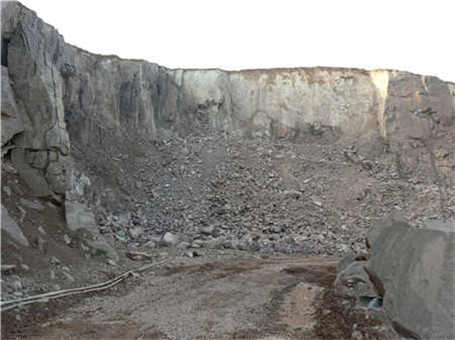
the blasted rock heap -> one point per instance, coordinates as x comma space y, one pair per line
127, 153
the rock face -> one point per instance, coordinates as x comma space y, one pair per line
11, 122
64, 92
416, 268
59, 101
412, 273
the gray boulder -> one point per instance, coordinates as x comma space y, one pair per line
135, 232
12, 229
416, 268
80, 218
169, 239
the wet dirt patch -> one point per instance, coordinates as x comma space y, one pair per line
322, 275
222, 269
336, 321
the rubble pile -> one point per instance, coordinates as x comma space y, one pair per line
315, 196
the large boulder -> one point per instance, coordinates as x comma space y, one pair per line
79, 218
12, 229
415, 270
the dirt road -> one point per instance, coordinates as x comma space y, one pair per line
262, 298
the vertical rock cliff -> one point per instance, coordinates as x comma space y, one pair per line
57, 99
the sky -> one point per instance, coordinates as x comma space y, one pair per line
415, 36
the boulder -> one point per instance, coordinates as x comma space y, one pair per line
80, 218
169, 239
12, 229
135, 232
415, 268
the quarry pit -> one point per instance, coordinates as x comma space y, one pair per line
250, 195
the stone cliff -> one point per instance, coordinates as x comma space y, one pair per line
57, 98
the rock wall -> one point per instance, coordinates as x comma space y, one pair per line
280, 101
56, 97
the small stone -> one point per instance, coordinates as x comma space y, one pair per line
135, 232
192, 253
183, 245
54, 260
213, 243
170, 239
67, 239
124, 219
197, 244
7, 190
276, 229
120, 238
318, 203
294, 194
138, 256
357, 335
208, 230
111, 262
41, 230
17, 285
150, 244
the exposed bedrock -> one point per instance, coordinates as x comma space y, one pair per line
57, 98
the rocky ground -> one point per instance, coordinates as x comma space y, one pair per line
201, 199
313, 195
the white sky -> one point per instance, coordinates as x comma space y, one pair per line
416, 36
